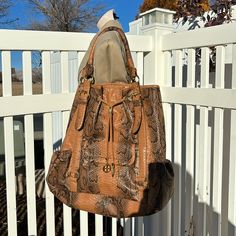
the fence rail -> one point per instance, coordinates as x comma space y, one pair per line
60, 41
203, 37
204, 96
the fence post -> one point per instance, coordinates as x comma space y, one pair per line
156, 22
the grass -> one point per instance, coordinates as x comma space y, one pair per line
17, 88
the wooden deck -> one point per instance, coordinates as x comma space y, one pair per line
41, 217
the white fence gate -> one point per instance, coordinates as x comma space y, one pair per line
200, 125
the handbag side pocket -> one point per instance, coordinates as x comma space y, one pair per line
58, 168
161, 184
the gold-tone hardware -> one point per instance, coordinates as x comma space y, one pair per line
107, 168
135, 94
130, 96
112, 169
110, 109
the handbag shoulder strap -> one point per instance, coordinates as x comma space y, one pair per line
87, 71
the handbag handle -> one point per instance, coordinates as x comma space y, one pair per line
87, 71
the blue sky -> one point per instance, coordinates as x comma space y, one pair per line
125, 9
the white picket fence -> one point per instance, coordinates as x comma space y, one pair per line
201, 132
200, 113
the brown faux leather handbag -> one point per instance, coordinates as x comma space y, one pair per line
112, 161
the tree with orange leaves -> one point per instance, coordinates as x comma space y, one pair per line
150, 4
176, 5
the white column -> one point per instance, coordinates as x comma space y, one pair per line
154, 61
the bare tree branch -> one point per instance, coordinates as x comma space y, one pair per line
5, 5
65, 15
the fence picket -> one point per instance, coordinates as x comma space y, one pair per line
197, 180
98, 225
132, 226
127, 226
232, 165
80, 58
204, 167
10, 175
67, 217
140, 64
27, 72
84, 223
138, 224
190, 134
83, 214
114, 227
168, 124
48, 145
218, 140
177, 149
9, 148
73, 70
6, 74
29, 148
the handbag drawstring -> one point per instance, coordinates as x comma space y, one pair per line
110, 136
110, 130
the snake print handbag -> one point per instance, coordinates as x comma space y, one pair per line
112, 160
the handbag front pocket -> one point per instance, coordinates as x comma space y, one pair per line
96, 179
